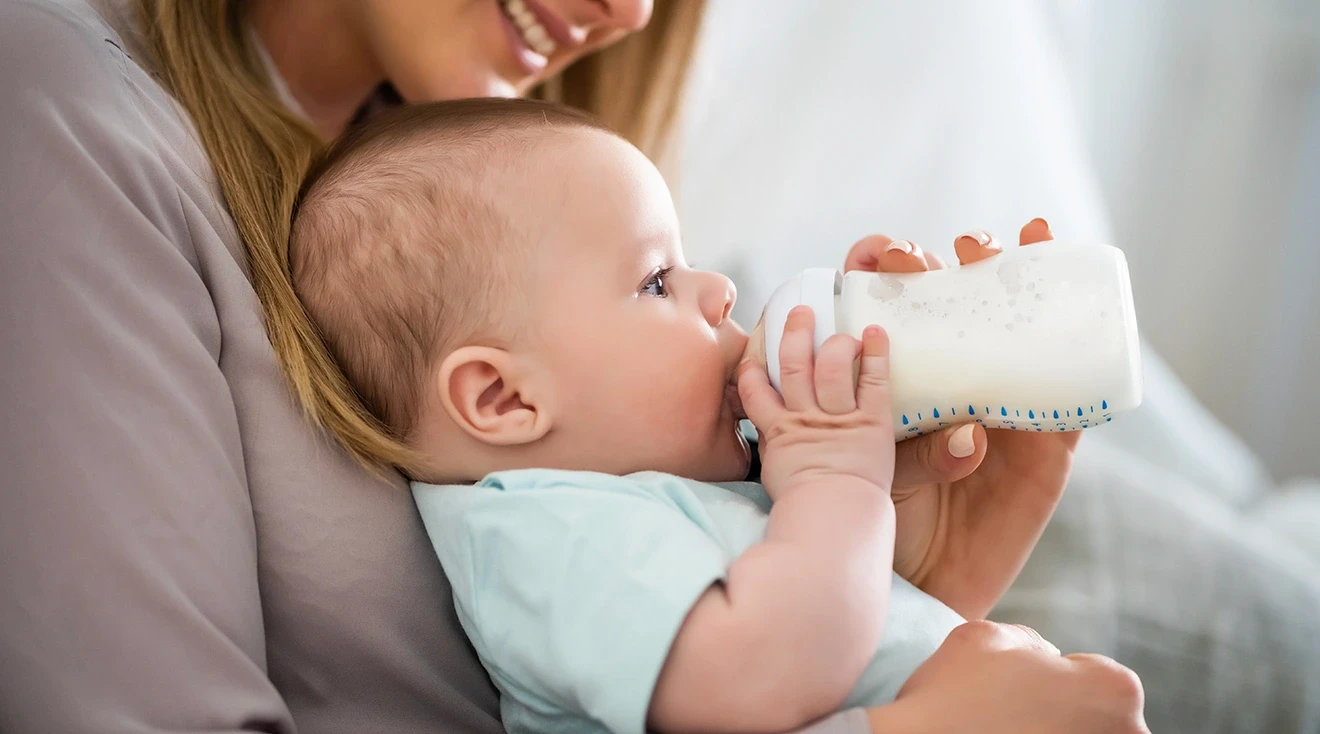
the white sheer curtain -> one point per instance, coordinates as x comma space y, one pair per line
1205, 121
1184, 131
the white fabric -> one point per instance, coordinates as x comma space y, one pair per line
812, 124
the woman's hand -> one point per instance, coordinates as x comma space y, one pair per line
970, 503
995, 678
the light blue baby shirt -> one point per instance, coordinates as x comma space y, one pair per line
572, 587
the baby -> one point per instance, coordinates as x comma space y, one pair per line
503, 283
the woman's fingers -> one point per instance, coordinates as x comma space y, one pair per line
873, 373
796, 354
944, 456
1037, 230
834, 374
975, 246
1032, 639
902, 256
935, 262
865, 255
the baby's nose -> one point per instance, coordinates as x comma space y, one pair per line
717, 298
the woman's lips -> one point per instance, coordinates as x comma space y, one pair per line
564, 35
532, 63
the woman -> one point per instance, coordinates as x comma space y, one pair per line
183, 547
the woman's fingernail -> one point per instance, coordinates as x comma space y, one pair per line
902, 246
1040, 221
962, 443
977, 236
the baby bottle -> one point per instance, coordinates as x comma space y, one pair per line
1039, 338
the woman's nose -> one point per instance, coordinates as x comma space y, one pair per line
718, 294
627, 15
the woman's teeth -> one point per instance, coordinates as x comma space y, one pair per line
528, 26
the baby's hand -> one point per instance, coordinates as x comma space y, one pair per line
824, 426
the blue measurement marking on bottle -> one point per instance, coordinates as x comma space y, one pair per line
935, 412
1092, 408
1003, 411
971, 410
905, 420
918, 416
1018, 413
1104, 405
1031, 414
1079, 411
1070, 414
953, 411
1108, 419
1056, 415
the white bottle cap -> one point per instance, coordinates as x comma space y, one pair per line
814, 287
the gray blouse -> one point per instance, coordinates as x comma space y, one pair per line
179, 551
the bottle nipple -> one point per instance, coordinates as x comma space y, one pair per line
755, 350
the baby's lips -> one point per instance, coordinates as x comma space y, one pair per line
734, 402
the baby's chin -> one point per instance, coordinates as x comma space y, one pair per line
729, 459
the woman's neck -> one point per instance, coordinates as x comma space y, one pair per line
327, 66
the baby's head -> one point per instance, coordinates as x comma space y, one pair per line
503, 283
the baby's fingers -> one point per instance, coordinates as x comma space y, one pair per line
834, 375
759, 400
873, 376
796, 359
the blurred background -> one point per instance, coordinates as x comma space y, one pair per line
1187, 132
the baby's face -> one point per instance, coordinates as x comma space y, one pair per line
639, 346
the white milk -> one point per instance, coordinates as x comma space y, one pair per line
1039, 338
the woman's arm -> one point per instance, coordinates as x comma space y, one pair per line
970, 507
129, 557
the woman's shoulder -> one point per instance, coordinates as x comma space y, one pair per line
47, 43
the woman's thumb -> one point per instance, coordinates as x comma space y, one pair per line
944, 456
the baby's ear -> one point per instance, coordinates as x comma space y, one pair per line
485, 393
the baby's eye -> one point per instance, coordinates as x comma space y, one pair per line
655, 285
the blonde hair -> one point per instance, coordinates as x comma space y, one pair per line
260, 151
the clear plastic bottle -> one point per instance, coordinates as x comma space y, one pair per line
1040, 338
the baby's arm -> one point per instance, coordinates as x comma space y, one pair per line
784, 639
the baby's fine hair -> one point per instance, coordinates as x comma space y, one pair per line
400, 245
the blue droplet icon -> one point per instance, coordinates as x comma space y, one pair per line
1104, 405
1031, 414
971, 410
1056, 415
1003, 410
905, 420
1079, 410
936, 412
